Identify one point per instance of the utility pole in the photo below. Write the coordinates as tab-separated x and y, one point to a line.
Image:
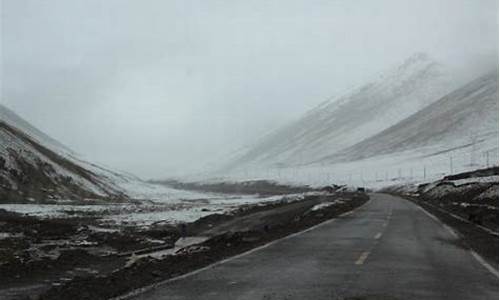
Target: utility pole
473	151
451	164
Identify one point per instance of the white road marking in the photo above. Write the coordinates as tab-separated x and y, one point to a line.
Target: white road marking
362	258
429	214
464	220
346	214
451	231
378	235
484	263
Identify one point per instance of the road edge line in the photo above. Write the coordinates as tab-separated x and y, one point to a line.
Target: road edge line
464	220
474	254
484	263
215	264
429	214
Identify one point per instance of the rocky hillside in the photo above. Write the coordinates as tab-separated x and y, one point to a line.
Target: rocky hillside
35	167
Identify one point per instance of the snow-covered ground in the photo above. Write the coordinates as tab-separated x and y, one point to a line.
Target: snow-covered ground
147	213
140	190
412	166
489	179
484	187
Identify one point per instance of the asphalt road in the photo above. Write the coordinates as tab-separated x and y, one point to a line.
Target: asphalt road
388	249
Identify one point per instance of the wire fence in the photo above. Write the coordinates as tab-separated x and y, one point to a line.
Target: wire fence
378	173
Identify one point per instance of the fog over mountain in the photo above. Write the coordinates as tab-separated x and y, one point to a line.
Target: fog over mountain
468	115
171	87
359	114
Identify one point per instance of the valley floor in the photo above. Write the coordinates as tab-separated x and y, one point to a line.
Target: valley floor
50	246
105	250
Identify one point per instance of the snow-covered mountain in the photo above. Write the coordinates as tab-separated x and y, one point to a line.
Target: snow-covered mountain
468	115
353	117
35	166
10	117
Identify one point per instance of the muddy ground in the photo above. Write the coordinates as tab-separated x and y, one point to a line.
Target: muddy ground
228	235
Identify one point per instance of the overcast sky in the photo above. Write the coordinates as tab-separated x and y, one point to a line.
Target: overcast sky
159	87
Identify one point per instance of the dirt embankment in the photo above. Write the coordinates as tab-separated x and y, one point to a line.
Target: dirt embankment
231	235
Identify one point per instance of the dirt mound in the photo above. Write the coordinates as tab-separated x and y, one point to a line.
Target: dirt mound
477	173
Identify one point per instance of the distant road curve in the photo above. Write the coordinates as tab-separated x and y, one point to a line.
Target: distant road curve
388	249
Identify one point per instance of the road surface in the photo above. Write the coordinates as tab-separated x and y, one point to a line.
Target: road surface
387	249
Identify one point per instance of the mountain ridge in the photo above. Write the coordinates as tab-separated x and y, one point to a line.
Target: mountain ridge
36	166
466	115
362	112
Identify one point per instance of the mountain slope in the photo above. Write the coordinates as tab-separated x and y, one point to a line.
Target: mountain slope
35	166
353	117
10	117
467	115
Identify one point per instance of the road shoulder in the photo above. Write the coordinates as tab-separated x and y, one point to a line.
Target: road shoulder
482	244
